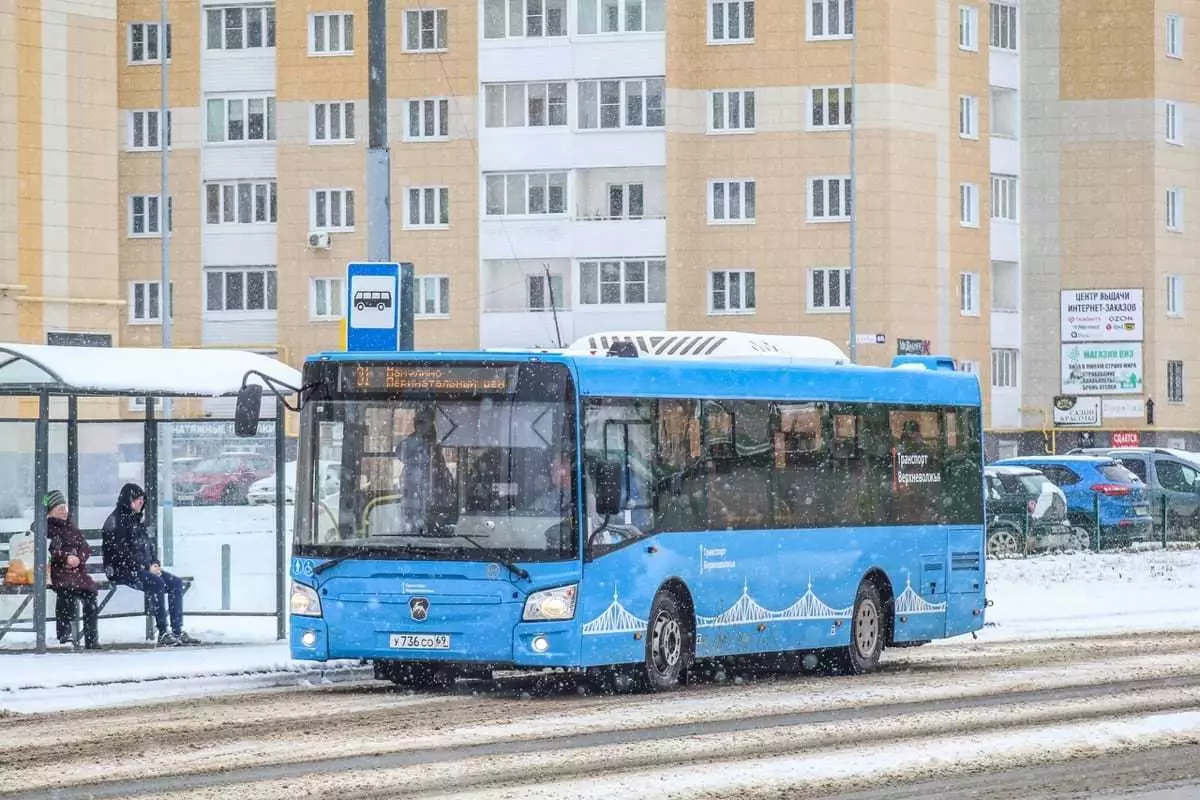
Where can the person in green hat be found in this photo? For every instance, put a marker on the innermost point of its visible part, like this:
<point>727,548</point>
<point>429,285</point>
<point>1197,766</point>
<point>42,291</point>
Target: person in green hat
<point>69,578</point>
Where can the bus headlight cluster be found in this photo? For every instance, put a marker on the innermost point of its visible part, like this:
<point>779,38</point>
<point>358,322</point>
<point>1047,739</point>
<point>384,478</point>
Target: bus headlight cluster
<point>551,604</point>
<point>305,602</point>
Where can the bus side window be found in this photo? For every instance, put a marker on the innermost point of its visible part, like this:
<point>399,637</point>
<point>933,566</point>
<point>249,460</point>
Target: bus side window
<point>801,458</point>
<point>739,443</point>
<point>679,489</point>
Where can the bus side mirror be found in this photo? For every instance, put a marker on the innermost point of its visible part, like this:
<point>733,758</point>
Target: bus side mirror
<point>608,488</point>
<point>249,408</point>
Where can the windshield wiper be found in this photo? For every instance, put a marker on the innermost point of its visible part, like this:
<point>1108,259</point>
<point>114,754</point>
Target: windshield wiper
<point>513,568</point>
<point>317,570</point>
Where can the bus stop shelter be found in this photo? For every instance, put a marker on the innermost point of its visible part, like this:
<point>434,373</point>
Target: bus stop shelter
<point>46,372</point>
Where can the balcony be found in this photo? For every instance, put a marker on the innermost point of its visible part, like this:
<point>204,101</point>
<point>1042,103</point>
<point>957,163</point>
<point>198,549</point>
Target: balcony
<point>560,57</point>
<point>503,238</point>
<point>513,149</point>
<point>619,237</point>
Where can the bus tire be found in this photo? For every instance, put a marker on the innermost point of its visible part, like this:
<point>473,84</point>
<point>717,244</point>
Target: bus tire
<point>668,643</point>
<point>867,632</point>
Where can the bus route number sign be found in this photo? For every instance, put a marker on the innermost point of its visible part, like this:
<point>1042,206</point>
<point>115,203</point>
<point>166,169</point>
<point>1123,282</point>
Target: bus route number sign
<point>427,379</point>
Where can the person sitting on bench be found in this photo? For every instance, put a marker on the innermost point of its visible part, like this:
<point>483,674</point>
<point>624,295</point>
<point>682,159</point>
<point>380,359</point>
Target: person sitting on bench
<point>130,559</point>
<point>69,553</point>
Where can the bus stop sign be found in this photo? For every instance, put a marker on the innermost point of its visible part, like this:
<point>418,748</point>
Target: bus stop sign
<point>379,310</point>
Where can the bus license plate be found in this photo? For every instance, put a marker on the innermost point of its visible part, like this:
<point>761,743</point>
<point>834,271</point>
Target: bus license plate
<point>420,641</point>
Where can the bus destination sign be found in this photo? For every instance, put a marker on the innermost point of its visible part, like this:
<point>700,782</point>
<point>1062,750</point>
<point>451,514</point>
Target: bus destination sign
<point>427,379</point>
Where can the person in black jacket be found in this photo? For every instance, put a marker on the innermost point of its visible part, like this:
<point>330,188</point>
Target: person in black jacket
<point>69,554</point>
<point>131,559</point>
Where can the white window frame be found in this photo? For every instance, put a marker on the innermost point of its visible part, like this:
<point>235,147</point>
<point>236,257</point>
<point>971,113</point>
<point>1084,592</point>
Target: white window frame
<point>968,294</point>
<point>152,222</point>
<point>1003,20</point>
<point>430,112</point>
<point>319,27</point>
<point>1005,200</point>
<point>738,198</point>
<point>968,116</point>
<point>744,306</point>
<point>138,121</point>
<point>144,28</point>
<point>270,276</point>
<point>830,278</point>
<point>997,296</point>
<point>845,19</point>
<point>143,288</point>
<point>341,110</point>
<point>266,23</point>
<point>718,101</point>
<point>828,212</point>
<point>439,285</point>
<point>625,192</point>
<point>553,292</point>
<point>543,179</point>
<point>232,202</point>
<point>1006,362</point>
<point>719,12</point>
<point>827,98</point>
<point>625,281</point>
<point>1174,36</point>
<point>415,19</point>
<point>1175,210</point>
<point>995,92</point>
<point>968,205</point>
<point>1173,113</point>
<point>1175,381</point>
<point>968,29</point>
<point>430,201</point>
<point>525,95</point>
<point>227,102</point>
<point>1174,295</point>
<point>345,206</point>
<point>582,13</point>
<point>968,366</point>
<point>651,116</point>
<point>532,22</point>
<point>333,292</point>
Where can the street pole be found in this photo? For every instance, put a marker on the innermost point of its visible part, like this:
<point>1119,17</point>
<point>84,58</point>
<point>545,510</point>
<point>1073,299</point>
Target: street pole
<point>166,449</point>
<point>379,190</point>
<point>854,192</point>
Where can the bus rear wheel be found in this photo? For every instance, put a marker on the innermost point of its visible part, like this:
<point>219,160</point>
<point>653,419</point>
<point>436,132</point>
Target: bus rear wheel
<point>668,644</point>
<point>867,631</point>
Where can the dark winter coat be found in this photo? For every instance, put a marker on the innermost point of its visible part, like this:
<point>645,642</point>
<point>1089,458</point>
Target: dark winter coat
<point>128,548</point>
<point>66,540</point>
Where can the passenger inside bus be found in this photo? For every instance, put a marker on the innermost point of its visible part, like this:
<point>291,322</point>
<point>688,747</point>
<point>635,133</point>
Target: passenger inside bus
<point>425,481</point>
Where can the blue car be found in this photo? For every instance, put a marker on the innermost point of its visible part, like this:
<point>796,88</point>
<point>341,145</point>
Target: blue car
<point>1124,505</point>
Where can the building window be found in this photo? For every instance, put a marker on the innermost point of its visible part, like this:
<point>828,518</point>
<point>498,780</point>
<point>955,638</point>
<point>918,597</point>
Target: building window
<point>331,35</point>
<point>633,282</point>
<point>969,367</point>
<point>544,294</point>
<point>1004,112</point>
<point>832,107</point>
<point>829,199</point>
<point>968,294</point>
<point>968,28</point>
<point>516,19</point>
<point>626,201</point>
<point>968,205</point>
<point>622,16</point>
<point>428,119</point>
<point>1174,123</point>
<point>145,302</point>
<point>241,119</point>
<point>1175,209</point>
<point>1174,36</point>
<point>528,105</point>
<point>240,203</point>
<point>333,123</point>
<point>731,21</point>
<point>145,216</point>
<point>1006,286</point>
<point>1174,381</point>
<point>145,131</point>
<point>968,117</point>
<point>1174,296</point>
<point>332,210</point>
<point>431,296</point>
<point>240,290</point>
<point>1004,197</point>
<point>326,298</point>
<point>521,193</point>
<point>146,43</point>
<point>636,103</point>
<point>1004,368</point>
<point>731,291</point>
<point>240,27</point>
<point>830,19</point>
<point>425,31</point>
<point>828,289</point>
<point>428,207</point>
<point>1004,26</point>
<point>731,111</point>
<point>731,202</point>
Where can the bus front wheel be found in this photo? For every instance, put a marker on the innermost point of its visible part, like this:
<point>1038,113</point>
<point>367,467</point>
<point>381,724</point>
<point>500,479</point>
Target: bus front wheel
<point>867,631</point>
<point>668,643</point>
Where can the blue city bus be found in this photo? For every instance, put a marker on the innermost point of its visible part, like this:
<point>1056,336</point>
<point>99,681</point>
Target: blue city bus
<point>623,511</point>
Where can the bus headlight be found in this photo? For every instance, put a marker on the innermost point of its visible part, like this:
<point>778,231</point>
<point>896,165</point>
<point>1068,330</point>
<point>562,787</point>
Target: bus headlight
<point>551,604</point>
<point>305,601</point>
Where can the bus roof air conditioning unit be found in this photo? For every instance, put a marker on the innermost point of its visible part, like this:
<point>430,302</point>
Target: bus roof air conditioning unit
<point>714,346</point>
<point>318,240</point>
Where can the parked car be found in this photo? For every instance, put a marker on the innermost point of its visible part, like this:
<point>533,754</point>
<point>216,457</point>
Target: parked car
<point>1026,512</point>
<point>1170,475</point>
<point>262,492</point>
<point>1123,504</point>
<point>224,480</point>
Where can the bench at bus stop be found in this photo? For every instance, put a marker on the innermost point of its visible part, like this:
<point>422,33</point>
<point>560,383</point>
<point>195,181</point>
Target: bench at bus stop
<point>95,568</point>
